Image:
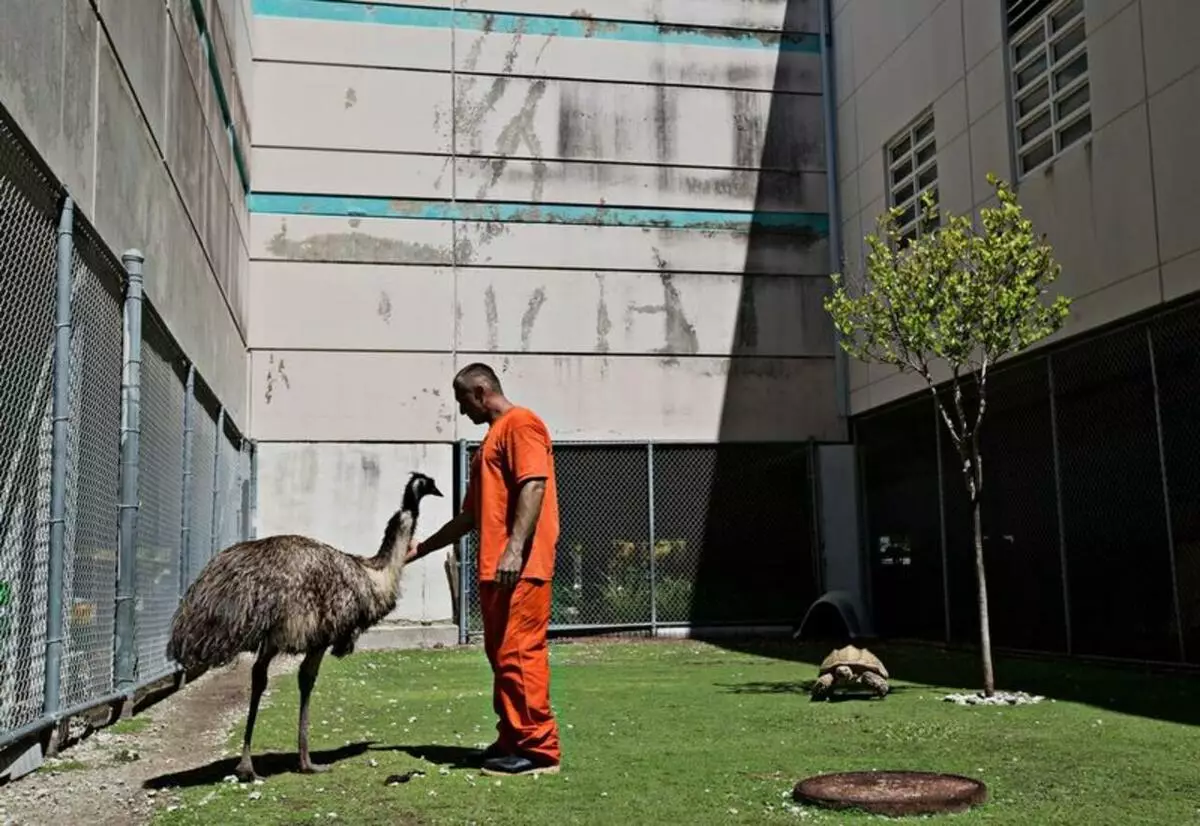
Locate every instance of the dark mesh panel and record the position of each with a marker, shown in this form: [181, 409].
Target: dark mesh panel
[733, 524]
[1019, 515]
[1118, 564]
[1177, 361]
[899, 480]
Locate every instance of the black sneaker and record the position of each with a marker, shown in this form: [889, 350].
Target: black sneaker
[516, 764]
[490, 753]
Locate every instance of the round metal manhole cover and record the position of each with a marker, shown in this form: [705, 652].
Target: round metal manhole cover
[896, 793]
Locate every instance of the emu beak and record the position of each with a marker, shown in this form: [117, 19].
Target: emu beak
[433, 489]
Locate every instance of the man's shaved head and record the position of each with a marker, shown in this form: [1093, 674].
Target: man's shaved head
[478, 393]
[479, 374]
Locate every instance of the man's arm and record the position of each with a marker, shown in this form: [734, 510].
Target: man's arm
[448, 534]
[529, 507]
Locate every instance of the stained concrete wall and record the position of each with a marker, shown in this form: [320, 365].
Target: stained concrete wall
[622, 207]
[122, 102]
[1119, 207]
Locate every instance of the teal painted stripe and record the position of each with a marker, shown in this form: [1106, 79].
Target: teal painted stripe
[343, 206]
[348, 11]
[214, 71]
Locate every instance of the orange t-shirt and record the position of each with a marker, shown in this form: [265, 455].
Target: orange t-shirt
[517, 447]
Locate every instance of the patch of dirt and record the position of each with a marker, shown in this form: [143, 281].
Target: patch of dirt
[99, 780]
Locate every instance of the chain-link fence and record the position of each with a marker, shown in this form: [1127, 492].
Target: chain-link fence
[662, 535]
[1090, 508]
[120, 474]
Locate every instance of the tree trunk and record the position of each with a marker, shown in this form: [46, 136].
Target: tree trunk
[985, 634]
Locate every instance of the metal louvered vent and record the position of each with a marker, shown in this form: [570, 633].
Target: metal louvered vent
[1019, 13]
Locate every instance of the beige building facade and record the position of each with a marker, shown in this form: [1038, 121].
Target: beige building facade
[1090, 107]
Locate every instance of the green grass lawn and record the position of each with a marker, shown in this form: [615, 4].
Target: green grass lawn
[685, 732]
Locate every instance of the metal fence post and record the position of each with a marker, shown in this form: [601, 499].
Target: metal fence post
[125, 652]
[244, 491]
[815, 495]
[1166, 491]
[58, 462]
[460, 547]
[653, 539]
[185, 526]
[252, 527]
[941, 480]
[1058, 499]
[214, 539]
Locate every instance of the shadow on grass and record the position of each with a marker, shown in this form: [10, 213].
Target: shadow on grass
[455, 757]
[1142, 691]
[266, 764]
[804, 687]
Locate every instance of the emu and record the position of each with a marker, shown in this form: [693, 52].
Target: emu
[293, 595]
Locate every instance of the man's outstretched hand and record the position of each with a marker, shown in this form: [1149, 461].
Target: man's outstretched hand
[414, 551]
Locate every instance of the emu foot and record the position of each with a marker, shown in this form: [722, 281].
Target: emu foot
[245, 772]
[309, 767]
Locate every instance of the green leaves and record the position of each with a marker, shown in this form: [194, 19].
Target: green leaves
[959, 293]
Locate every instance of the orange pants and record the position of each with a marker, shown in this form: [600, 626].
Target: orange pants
[514, 636]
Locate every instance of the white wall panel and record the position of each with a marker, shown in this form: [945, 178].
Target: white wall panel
[576, 182]
[795, 15]
[639, 248]
[536, 55]
[577, 120]
[352, 173]
[367, 240]
[338, 107]
[344, 494]
[362, 44]
[351, 306]
[356, 396]
[639, 313]
[663, 398]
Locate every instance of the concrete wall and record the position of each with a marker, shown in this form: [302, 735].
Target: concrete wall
[627, 219]
[1118, 205]
[120, 100]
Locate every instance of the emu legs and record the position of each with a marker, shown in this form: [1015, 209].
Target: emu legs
[308, 678]
[258, 684]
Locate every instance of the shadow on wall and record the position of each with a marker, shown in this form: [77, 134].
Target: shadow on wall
[757, 562]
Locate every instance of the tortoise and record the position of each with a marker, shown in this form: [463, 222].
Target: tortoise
[850, 666]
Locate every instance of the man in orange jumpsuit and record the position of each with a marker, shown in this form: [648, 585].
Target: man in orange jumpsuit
[512, 502]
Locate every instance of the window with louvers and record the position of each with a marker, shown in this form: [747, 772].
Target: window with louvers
[1047, 44]
[911, 170]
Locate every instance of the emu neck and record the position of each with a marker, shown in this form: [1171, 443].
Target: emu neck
[398, 533]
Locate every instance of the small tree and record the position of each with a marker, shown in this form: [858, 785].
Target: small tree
[962, 296]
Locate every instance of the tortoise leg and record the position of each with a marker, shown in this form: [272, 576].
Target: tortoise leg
[877, 683]
[822, 687]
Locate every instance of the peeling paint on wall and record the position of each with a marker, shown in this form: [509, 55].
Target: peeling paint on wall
[275, 370]
[529, 318]
[603, 322]
[493, 317]
[385, 308]
[355, 246]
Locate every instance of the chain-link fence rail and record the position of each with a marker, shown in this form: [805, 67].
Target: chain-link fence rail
[1090, 509]
[120, 473]
[670, 535]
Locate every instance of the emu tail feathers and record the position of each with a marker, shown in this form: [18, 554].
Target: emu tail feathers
[224, 613]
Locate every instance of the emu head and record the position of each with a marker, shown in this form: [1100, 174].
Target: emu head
[419, 486]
